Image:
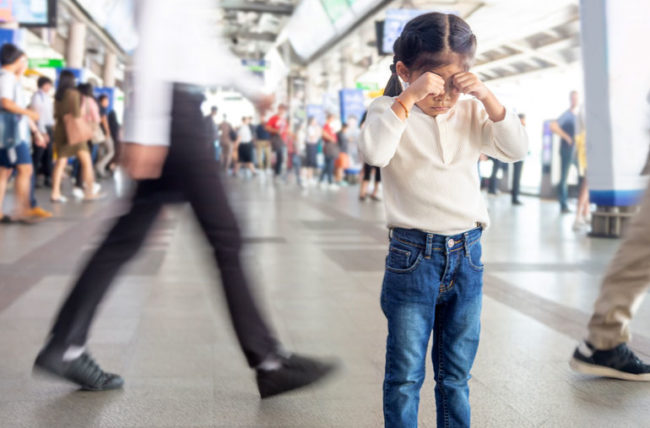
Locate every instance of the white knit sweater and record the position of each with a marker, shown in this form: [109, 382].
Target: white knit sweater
[430, 165]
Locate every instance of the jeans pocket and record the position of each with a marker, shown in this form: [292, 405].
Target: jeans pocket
[474, 254]
[402, 258]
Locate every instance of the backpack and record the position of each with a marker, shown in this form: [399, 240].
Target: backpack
[9, 126]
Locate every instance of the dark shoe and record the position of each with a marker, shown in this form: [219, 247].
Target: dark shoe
[82, 371]
[375, 198]
[517, 203]
[5, 219]
[362, 198]
[565, 210]
[617, 363]
[295, 372]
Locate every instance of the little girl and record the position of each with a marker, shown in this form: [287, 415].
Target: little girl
[428, 144]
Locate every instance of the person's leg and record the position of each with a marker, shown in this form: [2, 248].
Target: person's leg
[226, 155]
[120, 245]
[279, 160]
[23, 189]
[456, 333]
[38, 156]
[375, 191]
[583, 200]
[297, 165]
[565, 159]
[408, 297]
[516, 181]
[494, 177]
[5, 173]
[57, 177]
[330, 170]
[220, 227]
[102, 163]
[625, 284]
[87, 173]
[48, 158]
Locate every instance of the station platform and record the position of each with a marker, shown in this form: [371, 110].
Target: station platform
[316, 258]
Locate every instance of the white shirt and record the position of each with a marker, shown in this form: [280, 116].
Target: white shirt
[314, 132]
[12, 89]
[178, 43]
[430, 165]
[245, 134]
[42, 103]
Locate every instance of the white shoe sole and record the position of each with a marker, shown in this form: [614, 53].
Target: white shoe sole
[601, 371]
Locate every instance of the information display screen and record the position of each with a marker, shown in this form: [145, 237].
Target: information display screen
[116, 17]
[29, 13]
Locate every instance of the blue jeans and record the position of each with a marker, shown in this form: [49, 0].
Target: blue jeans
[432, 285]
[296, 163]
[566, 159]
[328, 170]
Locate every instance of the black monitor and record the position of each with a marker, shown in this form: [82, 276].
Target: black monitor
[33, 13]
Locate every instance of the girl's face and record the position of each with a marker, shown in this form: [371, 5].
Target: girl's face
[440, 104]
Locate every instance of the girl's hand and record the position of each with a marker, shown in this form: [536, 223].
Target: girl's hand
[425, 85]
[468, 83]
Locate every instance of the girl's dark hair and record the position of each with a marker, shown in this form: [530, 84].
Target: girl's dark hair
[9, 54]
[429, 41]
[86, 89]
[67, 80]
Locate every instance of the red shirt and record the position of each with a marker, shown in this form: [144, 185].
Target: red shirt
[327, 129]
[278, 124]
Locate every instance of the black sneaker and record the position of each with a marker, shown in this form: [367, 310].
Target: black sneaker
[82, 371]
[618, 363]
[294, 372]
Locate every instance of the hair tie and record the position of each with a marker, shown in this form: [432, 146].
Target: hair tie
[393, 69]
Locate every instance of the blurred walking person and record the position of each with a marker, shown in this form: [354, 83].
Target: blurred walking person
[169, 155]
[565, 128]
[67, 101]
[104, 161]
[245, 147]
[15, 147]
[277, 127]
[43, 105]
[518, 168]
[227, 142]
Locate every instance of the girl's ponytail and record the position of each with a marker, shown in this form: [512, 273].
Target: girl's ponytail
[394, 86]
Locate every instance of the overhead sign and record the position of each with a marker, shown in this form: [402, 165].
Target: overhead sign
[365, 86]
[352, 104]
[47, 63]
[29, 13]
[396, 20]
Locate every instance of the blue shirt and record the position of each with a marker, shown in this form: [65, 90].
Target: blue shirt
[568, 124]
[262, 133]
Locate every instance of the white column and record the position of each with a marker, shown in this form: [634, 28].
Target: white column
[110, 64]
[76, 45]
[617, 81]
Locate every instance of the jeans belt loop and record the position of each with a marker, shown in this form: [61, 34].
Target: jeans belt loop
[466, 243]
[429, 249]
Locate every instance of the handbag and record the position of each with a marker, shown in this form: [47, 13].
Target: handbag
[77, 129]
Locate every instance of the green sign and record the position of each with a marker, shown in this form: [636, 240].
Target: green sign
[46, 63]
[364, 86]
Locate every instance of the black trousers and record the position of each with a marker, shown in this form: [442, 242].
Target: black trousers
[190, 174]
[279, 160]
[43, 158]
[516, 180]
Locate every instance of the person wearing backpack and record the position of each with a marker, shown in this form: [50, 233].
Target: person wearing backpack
[15, 140]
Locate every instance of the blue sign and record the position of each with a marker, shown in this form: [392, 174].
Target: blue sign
[256, 66]
[395, 21]
[352, 104]
[317, 111]
[11, 36]
[79, 74]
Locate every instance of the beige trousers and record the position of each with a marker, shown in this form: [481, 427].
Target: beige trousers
[263, 151]
[626, 283]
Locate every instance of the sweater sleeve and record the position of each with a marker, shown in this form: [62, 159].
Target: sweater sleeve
[506, 140]
[381, 133]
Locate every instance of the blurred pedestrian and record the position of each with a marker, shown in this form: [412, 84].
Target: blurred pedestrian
[170, 161]
[277, 127]
[15, 147]
[104, 162]
[43, 105]
[565, 127]
[517, 170]
[244, 144]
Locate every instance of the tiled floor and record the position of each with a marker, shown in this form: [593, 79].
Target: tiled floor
[317, 260]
